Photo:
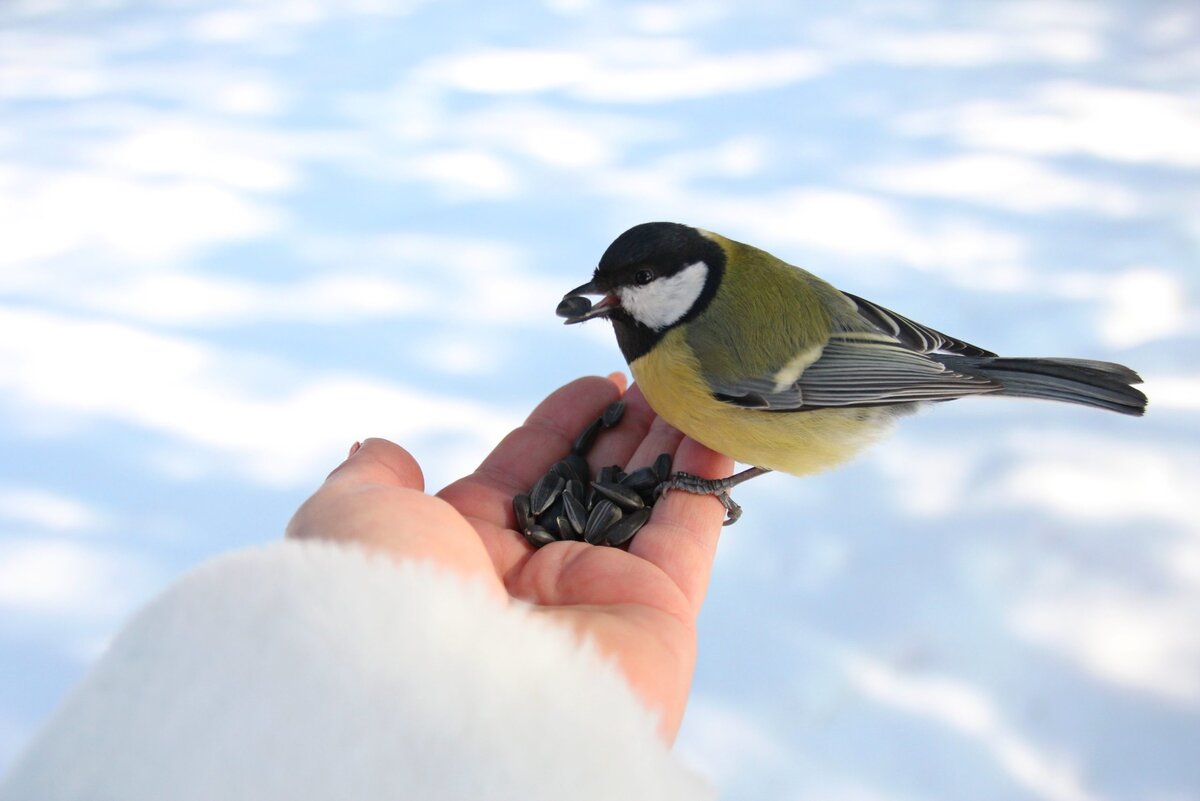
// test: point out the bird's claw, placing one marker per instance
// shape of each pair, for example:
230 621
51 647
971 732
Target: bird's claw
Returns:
733 510
702 486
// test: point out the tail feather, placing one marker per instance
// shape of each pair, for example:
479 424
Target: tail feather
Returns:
1102 385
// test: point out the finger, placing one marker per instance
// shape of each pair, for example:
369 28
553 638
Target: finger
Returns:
526 453
375 465
485 497
661 438
378 461
375 500
681 537
618 444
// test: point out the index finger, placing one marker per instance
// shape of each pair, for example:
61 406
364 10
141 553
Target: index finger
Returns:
526 453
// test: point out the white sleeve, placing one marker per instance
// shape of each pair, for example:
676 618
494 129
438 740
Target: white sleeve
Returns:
314 671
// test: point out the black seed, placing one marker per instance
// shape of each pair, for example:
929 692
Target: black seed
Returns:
579 467
586 438
603 515
556 509
544 492
641 479
538 536
561 468
606 474
521 509
574 306
624 497
662 466
612 415
567 531
623 530
590 500
576 488
577 513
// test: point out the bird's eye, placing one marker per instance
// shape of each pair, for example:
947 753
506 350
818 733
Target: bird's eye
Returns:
643 277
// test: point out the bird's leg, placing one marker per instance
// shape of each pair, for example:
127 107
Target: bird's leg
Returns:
717 487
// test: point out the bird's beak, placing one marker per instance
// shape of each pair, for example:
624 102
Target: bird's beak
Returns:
575 307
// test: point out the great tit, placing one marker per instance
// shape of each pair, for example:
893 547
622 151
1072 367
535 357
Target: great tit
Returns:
770 365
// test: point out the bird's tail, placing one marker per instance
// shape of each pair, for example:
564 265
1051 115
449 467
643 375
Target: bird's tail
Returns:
1102 385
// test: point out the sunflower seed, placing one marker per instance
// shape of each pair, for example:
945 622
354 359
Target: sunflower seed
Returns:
603 515
521 509
574 306
624 497
662 466
587 437
642 479
575 487
561 468
623 530
579 467
538 536
607 474
555 510
566 530
544 492
577 513
612 415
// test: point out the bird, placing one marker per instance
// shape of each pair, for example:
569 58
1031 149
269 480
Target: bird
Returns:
776 368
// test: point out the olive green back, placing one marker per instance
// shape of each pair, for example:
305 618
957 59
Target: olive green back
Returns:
742 334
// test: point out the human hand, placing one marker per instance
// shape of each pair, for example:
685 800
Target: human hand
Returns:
639 606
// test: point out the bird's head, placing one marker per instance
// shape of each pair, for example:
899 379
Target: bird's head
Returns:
652 277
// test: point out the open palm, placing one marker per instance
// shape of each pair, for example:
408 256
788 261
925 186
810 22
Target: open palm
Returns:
639 606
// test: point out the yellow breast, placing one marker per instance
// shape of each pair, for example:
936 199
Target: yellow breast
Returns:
791 442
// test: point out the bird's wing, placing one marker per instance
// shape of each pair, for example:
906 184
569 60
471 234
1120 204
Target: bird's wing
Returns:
853 371
882 359
910 334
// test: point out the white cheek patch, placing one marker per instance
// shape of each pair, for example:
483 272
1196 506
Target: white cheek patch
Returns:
665 301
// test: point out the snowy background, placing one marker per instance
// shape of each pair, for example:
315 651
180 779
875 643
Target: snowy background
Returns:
236 237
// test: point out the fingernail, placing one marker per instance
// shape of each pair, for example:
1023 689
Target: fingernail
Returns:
353 450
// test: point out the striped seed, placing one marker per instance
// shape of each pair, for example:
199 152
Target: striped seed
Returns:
623 530
628 499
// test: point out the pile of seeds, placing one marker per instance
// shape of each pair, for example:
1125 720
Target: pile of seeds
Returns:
568 504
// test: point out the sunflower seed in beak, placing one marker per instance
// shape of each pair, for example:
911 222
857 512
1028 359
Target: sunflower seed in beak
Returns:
573 307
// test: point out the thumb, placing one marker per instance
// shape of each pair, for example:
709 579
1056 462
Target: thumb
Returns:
378 461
